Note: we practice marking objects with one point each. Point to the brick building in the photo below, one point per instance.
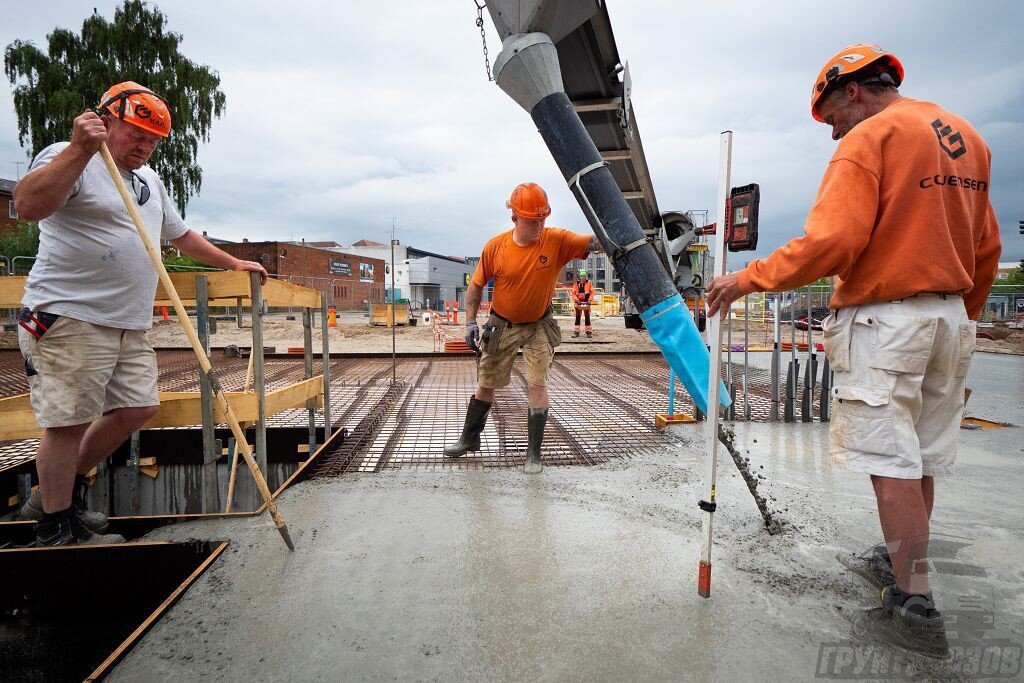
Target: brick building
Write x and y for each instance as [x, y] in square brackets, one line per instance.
[8, 216]
[350, 281]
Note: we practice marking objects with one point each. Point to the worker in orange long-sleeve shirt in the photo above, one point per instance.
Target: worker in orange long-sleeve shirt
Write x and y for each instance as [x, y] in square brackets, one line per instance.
[582, 298]
[903, 218]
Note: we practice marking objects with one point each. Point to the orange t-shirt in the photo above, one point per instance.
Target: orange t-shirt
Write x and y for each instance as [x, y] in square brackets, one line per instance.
[525, 277]
[903, 208]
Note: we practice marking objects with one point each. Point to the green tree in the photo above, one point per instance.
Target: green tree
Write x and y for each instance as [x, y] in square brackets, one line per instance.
[54, 87]
[1016, 277]
[175, 263]
[22, 240]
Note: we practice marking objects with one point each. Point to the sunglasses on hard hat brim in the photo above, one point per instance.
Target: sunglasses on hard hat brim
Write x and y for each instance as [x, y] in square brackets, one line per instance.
[832, 77]
[124, 95]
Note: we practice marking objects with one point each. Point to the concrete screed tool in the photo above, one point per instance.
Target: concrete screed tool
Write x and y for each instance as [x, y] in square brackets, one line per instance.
[193, 338]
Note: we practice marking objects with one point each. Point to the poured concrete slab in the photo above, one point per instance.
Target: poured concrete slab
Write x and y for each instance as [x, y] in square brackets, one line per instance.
[582, 573]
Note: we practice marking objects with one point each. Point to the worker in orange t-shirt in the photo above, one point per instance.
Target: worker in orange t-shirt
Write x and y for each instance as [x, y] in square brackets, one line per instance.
[582, 297]
[903, 218]
[524, 263]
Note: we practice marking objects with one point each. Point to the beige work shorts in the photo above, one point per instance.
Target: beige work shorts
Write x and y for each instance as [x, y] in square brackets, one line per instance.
[78, 371]
[898, 393]
[536, 341]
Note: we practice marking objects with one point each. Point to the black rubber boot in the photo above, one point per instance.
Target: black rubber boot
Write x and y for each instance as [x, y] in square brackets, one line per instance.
[476, 418]
[538, 418]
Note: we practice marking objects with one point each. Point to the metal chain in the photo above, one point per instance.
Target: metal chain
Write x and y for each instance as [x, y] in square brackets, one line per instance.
[483, 36]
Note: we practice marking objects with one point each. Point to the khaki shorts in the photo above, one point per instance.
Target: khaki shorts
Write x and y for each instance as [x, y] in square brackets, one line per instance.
[898, 393]
[538, 351]
[79, 371]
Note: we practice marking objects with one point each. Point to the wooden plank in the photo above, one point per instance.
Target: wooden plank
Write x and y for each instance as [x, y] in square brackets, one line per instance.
[12, 289]
[226, 288]
[177, 408]
[278, 293]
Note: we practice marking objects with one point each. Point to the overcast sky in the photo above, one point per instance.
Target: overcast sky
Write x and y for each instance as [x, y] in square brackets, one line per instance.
[341, 117]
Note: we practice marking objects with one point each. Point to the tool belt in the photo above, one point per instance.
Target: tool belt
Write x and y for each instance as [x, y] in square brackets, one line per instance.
[37, 323]
[490, 336]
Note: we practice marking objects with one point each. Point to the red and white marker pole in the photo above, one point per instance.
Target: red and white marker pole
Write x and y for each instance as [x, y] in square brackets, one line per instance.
[714, 326]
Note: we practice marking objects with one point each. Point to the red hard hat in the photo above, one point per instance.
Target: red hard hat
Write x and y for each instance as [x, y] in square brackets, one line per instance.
[848, 61]
[138, 106]
[529, 201]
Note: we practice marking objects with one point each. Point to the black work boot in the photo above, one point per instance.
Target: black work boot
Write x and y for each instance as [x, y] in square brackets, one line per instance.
[538, 418]
[476, 418]
[909, 621]
[96, 522]
[66, 528]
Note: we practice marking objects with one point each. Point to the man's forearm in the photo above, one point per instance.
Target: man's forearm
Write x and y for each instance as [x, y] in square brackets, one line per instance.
[45, 189]
[196, 246]
[473, 295]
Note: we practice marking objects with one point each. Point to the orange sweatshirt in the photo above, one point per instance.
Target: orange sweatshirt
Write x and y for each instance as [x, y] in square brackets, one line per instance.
[525, 277]
[903, 208]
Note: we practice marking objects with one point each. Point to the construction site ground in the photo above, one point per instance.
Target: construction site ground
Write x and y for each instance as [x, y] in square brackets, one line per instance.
[584, 572]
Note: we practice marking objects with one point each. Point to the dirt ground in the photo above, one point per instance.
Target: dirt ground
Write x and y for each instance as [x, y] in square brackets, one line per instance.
[354, 334]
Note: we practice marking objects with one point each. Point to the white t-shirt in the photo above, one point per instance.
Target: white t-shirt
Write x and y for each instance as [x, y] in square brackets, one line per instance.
[92, 264]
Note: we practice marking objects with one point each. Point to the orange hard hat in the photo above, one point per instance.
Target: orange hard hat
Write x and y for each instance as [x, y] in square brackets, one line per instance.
[529, 201]
[138, 106]
[852, 60]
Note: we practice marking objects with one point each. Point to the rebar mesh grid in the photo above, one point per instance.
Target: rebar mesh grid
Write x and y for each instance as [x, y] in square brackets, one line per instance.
[602, 406]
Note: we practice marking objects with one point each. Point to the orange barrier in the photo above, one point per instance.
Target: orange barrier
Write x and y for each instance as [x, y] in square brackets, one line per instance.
[456, 346]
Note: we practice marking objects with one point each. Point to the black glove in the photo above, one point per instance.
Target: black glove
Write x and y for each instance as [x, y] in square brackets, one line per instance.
[472, 335]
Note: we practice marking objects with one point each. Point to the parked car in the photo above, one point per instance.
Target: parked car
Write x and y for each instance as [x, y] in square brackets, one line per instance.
[817, 315]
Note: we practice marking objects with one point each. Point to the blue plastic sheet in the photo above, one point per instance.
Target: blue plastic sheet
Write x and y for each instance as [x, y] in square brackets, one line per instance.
[671, 327]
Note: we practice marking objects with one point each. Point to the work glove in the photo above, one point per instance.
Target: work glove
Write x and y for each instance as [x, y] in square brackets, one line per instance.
[472, 335]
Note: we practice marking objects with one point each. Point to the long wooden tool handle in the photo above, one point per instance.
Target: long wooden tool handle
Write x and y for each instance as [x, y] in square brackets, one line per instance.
[193, 338]
[233, 475]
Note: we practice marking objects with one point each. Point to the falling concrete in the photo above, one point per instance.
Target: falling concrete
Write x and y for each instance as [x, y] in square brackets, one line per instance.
[582, 573]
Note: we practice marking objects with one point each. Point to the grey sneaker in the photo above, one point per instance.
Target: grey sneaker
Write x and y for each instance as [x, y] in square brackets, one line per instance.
[96, 522]
[875, 568]
[68, 529]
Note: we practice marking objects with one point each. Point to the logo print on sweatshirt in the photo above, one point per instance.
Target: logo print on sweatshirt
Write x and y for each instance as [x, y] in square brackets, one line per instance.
[952, 143]
[543, 259]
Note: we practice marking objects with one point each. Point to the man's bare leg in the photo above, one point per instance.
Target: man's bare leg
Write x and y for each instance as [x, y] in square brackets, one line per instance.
[56, 462]
[903, 512]
[109, 432]
[537, 396]
[928, 490]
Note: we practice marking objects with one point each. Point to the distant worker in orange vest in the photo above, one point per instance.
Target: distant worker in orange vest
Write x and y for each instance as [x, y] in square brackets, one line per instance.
[903, 217]
[582, 297]
[524, 263]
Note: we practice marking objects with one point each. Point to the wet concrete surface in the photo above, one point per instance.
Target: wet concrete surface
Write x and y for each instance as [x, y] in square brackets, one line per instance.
[583, 573]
